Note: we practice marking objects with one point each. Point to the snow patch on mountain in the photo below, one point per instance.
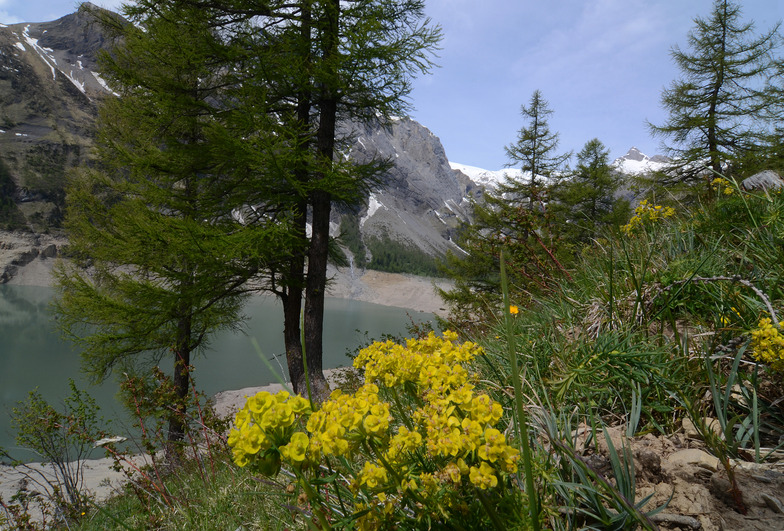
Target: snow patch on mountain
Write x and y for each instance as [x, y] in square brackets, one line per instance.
[636, 162]
[373, 205]
[489, 178]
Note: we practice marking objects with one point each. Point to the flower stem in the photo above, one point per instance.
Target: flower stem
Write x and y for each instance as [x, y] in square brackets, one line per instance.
[522, 418]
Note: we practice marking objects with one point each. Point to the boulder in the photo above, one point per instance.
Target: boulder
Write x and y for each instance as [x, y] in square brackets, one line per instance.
[764, 180]
[50, 251]
[25, 258]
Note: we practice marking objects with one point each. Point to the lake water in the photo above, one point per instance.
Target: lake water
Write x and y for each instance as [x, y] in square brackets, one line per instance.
[32, 354]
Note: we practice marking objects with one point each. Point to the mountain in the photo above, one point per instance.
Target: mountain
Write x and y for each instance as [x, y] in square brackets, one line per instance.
[421, 199]
[49, 91]
[49, 96]
[637, 163]
[489, 178]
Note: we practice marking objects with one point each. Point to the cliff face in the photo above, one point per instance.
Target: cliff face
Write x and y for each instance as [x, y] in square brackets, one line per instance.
[49, 92]
[421, 198]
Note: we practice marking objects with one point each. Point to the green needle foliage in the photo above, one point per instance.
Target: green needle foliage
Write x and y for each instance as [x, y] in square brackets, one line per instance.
[585, 197]
[160, 262]
[513, 217]
[719, 108]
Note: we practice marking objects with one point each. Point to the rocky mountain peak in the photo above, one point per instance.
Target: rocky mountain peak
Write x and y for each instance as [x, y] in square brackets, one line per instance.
[635, 154]
[49, 90]
[635, 162]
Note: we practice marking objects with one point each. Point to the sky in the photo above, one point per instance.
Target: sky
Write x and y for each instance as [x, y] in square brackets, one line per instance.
[601, 65]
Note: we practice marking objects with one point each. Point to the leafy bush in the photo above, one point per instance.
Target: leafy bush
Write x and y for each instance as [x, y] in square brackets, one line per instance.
[64, 439]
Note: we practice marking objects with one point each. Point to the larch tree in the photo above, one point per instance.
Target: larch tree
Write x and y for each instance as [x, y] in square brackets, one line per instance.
[160, 260]
[323, 64]
[514, 217]
[288, 74]
[534, 151]
[584, 199]
[717, 109]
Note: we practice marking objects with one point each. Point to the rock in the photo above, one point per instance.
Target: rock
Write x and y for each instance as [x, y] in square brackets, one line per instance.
[50, 251]
[774, 504]
[649, 462]
[8, 273]
[691, 431]
[764, 180]
[26, 257]
[694, 457]
[722, 489]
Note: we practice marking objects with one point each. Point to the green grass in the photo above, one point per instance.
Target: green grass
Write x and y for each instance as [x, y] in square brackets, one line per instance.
[216, 495]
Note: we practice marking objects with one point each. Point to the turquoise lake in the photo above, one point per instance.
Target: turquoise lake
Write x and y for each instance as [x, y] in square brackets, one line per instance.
[33, 355]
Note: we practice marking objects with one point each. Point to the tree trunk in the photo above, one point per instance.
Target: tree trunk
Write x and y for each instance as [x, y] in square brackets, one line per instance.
[295, 278]
[292, 308]
[713, 146]
[181, 380]
[321, 202]
[315, 296]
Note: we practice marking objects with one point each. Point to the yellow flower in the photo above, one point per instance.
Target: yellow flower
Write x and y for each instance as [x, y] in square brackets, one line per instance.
[453, 473]
[514, 310]
[373, 475]
[296, 449]
[768, 344]
[646, 213]
[483, 477]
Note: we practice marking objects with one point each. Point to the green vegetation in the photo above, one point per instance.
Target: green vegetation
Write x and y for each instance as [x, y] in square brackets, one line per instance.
[158, 264]
[63, 440]
[651, 320]
[351, 237]
[514, 217]
[10, 216]
[217, 154]
[585, 199]
[568, 343]
[398, 257]
[723, 110]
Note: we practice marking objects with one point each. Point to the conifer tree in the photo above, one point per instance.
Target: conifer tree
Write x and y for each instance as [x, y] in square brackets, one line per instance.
[336, 62]
[717, 108]
[585, 200]
[160, 259]
[534, 151]
[513, 217]
[287, 74]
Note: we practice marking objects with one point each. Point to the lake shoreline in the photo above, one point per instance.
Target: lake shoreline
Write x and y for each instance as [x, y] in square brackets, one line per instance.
[28, 260]
[100, 478]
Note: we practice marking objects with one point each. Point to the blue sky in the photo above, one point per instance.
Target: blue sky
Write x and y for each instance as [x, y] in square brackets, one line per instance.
[600, 63]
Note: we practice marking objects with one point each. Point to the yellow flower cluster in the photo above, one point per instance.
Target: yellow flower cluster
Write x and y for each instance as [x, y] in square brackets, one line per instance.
[425, 362]
[768, 344]
[723, 185]
[266, 421]
[345, 420]
[432, 435]
[646, 213]
[452, 423]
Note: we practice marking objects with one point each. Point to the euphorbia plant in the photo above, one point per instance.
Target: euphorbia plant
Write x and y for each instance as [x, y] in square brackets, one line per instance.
[416, 445]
